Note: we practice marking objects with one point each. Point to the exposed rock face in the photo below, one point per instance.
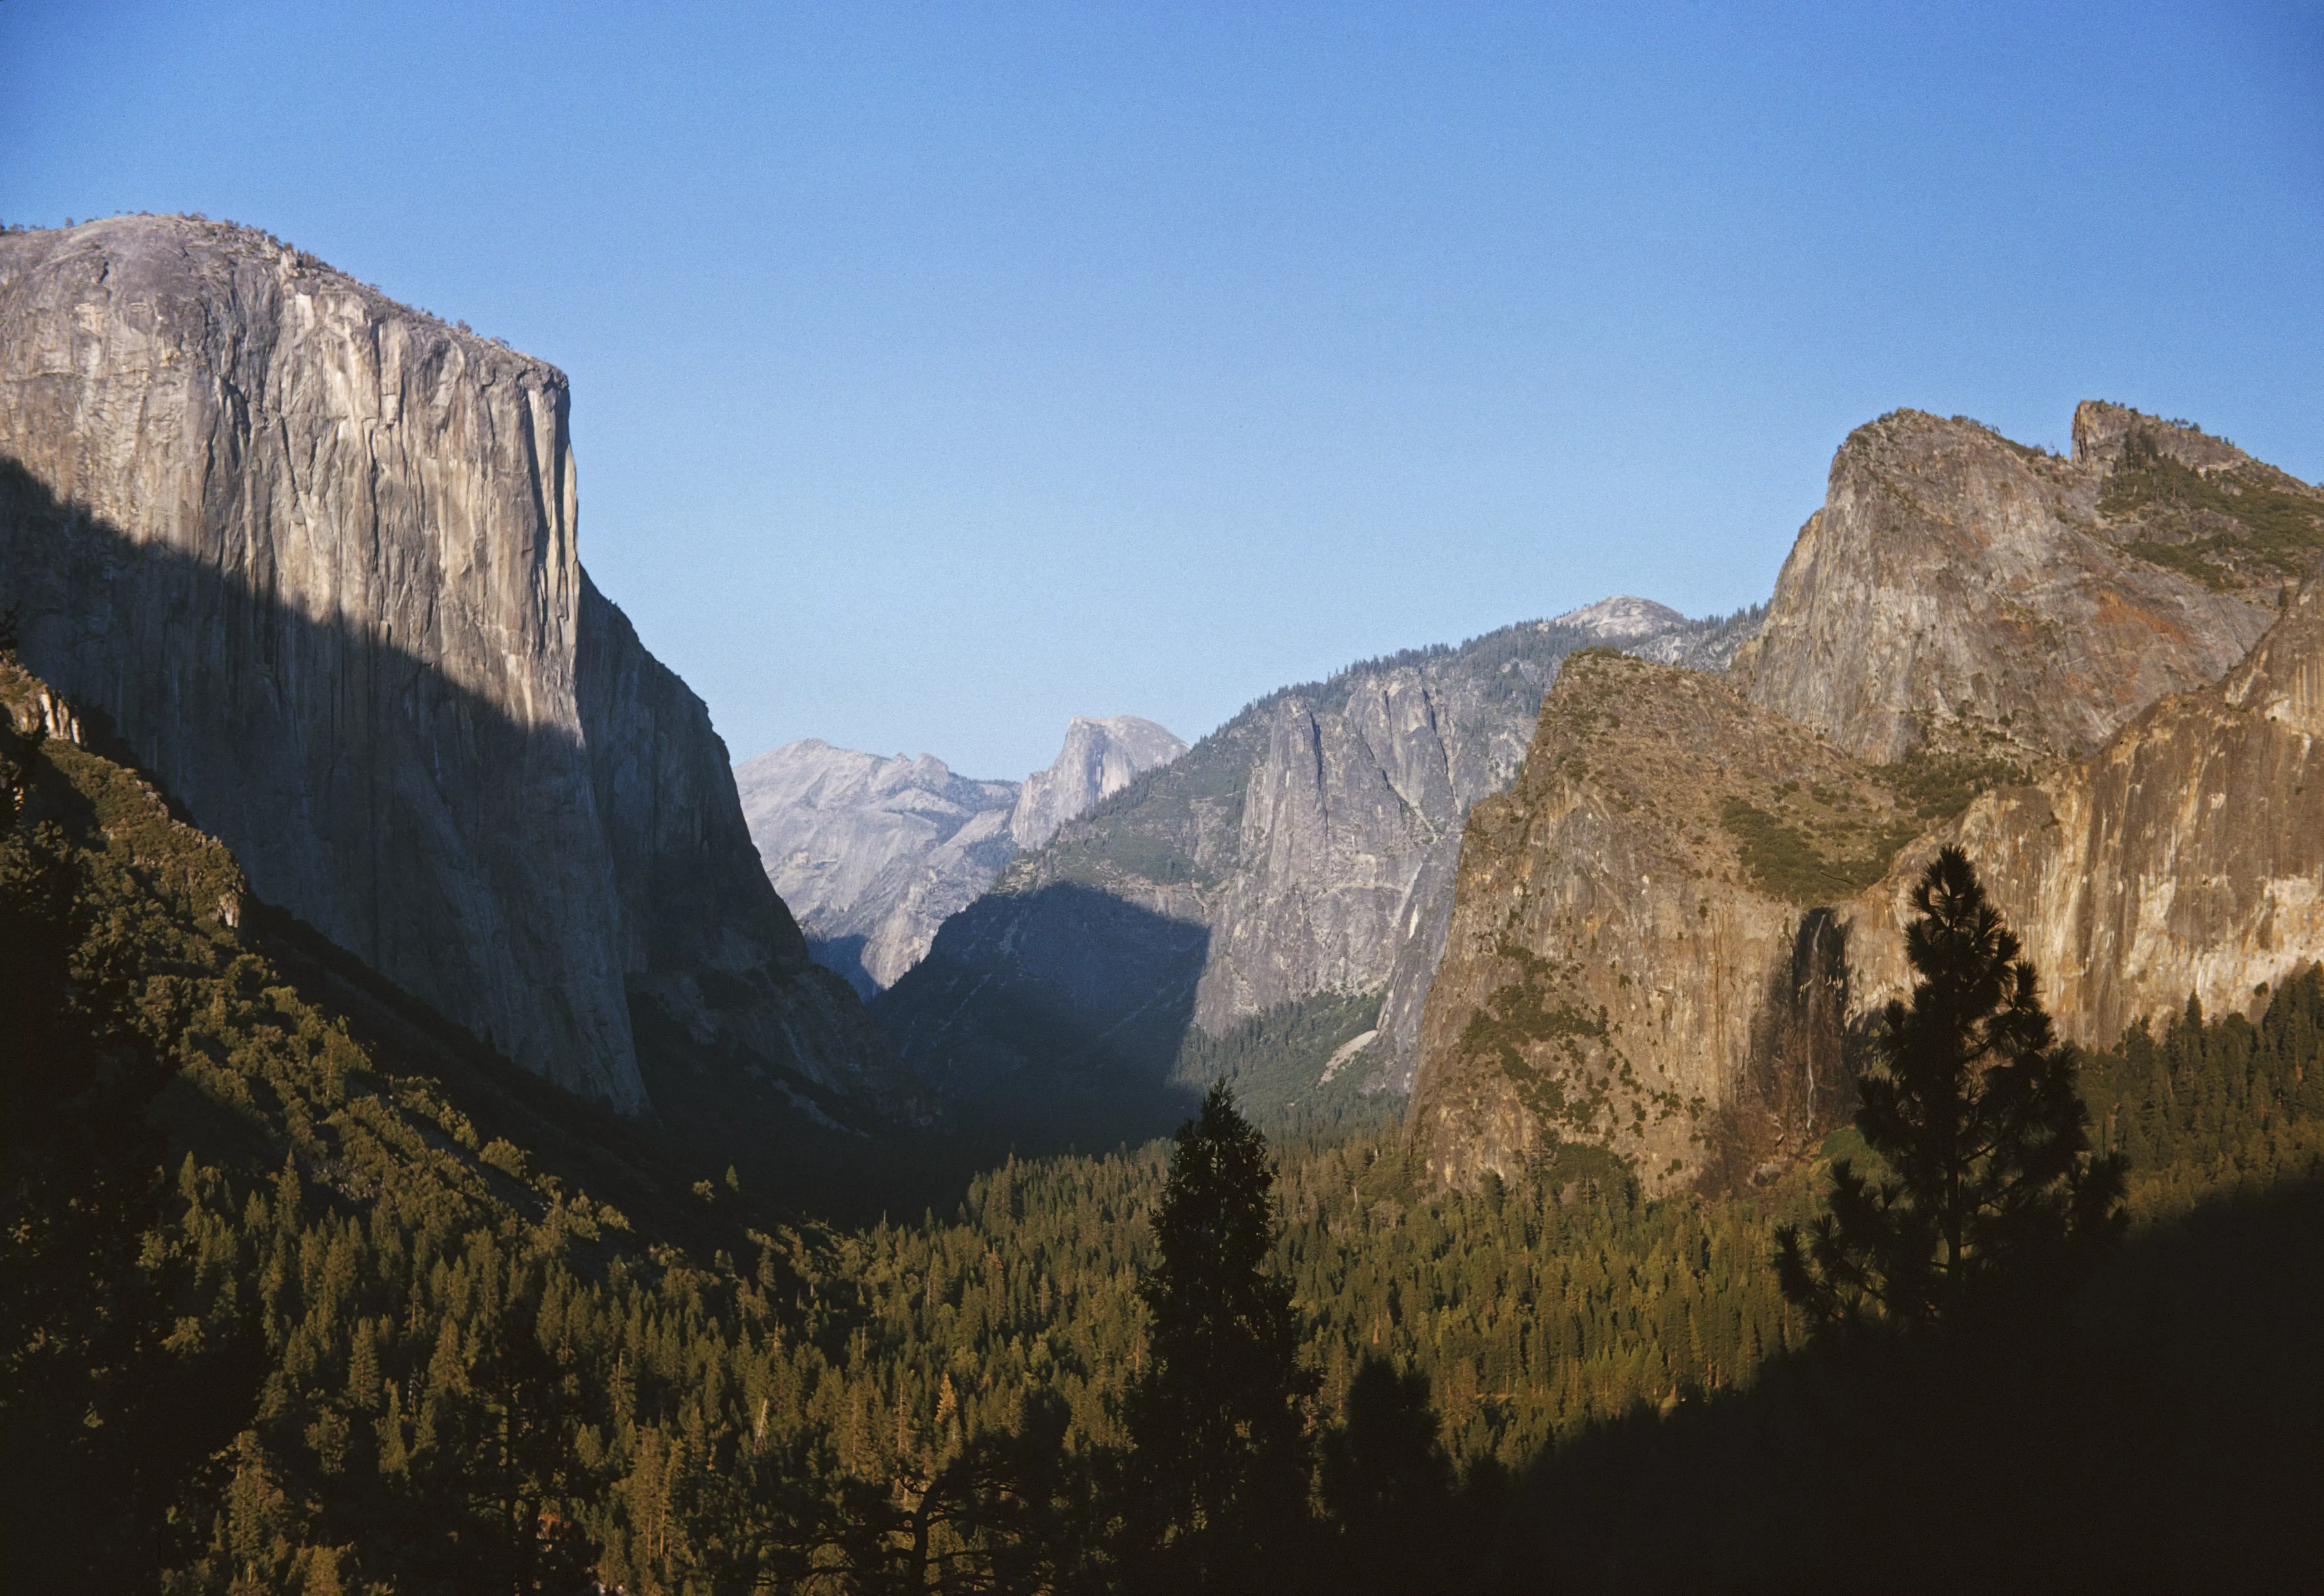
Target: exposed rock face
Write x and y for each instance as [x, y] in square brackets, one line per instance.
[1961, 593]
[1635, 961]
[312, 557]
[1100, 757]
[1679, 922]
[2186, 857]
[1311, 842]
[873, 854]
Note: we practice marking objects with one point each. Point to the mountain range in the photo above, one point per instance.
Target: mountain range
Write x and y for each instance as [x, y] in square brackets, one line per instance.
[1612, 884]
[1300, 858]
[872, 854]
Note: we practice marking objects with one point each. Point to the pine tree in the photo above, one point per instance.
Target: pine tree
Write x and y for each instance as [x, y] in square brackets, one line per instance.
[1987, 1175]
[1222, 1452]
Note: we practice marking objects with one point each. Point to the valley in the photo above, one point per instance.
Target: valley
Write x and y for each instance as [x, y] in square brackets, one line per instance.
[463, 1131]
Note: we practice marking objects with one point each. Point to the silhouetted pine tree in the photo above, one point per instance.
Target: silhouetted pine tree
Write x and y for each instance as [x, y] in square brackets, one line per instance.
[1976, 1119]
[1221, 1455]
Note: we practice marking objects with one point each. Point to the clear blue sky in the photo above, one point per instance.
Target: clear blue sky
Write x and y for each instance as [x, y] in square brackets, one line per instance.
[942, 372]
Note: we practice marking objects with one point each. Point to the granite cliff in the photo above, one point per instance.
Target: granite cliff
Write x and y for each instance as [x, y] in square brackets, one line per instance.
[309, 557]
[1636, 945]
[1302, 853]
[874, 855]
[2185, 858]
[1671, 934]
[1100, 757]
[1962, 593]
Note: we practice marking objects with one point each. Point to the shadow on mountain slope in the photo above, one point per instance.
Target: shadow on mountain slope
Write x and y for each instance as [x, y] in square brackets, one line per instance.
[1052, 1019]
[538, 883]
[2161, 1429]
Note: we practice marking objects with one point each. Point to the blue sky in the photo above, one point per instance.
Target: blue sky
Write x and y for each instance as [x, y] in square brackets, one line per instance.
[941, 372]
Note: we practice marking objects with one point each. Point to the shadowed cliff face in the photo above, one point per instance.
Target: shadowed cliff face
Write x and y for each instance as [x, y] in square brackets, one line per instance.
[1636, 960]
[1964, 593]
[311, 556]
[1056, 1011]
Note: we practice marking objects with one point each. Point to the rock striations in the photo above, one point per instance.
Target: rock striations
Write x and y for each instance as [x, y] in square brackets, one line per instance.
[1303, 852]
[2184, 858]
[1669, 937]
[311, 557]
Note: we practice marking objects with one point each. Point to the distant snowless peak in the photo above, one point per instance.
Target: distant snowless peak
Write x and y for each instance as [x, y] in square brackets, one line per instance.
[1620, 618]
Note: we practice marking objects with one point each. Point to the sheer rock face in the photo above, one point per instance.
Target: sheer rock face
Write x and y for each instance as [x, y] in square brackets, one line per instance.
[873, 854]
[1616, 973]
[312, 555]
[1967, 594]
[2185, 858]
[1100, 757]
[1312, 842]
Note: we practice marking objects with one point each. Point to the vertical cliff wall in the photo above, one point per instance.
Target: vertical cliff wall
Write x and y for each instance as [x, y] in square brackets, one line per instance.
[2184, 858]
[311, 557]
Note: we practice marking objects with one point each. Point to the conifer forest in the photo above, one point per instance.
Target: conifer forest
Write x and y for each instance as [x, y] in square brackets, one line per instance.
[293, 1300]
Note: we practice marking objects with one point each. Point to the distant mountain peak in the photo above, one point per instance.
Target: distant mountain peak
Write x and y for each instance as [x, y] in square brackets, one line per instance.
[1102, 755]
[1622, 618]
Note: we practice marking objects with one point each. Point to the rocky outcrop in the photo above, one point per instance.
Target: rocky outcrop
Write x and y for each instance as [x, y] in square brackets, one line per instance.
[1672, 934]
[1311, 842]
[311, 557]
[1636, 961]
[2184, 858]
[873, 854]
[1100, 757]
[1962, 593]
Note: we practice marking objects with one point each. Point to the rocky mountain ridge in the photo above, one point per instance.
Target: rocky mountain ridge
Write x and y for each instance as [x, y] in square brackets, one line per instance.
[310, 558]
[1670, 937]
[1964, 594]
[874, 855]
[1101, 756]
[1303, 852]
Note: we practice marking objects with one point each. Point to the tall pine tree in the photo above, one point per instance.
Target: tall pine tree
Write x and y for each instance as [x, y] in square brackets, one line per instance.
[1222, 1452]
[1987, 1175]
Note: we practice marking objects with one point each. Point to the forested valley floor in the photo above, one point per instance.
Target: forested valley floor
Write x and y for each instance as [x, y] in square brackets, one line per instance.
[290, 1301]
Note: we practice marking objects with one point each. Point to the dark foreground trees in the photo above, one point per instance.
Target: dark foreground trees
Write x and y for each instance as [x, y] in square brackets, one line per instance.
[1222, 1460]
[1987, 1175]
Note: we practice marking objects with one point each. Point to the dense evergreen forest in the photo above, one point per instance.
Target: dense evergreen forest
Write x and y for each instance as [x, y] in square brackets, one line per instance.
[294, 1299]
